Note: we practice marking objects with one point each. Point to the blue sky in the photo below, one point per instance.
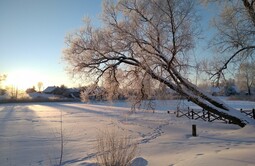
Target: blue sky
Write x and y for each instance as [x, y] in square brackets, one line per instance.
[32, 34]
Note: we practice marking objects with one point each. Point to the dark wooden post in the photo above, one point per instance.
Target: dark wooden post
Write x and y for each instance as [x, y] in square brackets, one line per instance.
[203, 113]
[253, 113]
[194, 130]
[209, 118]
[192, 114]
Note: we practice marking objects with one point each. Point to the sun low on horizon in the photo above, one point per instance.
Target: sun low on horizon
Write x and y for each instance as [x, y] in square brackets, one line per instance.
[24, 79]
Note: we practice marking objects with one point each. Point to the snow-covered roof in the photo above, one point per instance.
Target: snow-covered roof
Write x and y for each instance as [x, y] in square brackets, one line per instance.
[73, 90]
[49, 89]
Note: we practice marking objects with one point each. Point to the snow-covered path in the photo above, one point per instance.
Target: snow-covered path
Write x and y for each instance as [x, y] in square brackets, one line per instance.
[30, 135]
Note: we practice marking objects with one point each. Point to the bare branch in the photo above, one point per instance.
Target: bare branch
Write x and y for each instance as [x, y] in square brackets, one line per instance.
[219, 72]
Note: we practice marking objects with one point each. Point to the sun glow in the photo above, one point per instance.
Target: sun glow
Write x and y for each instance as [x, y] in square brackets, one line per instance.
[23, 79]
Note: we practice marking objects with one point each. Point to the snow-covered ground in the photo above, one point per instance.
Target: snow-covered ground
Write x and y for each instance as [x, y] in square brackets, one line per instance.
[30, 135]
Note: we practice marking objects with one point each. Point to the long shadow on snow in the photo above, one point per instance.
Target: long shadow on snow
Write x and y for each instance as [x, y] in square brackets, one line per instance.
[93, 109]
[89, 109]
[13, 113]
[17, 135]
[89, 156]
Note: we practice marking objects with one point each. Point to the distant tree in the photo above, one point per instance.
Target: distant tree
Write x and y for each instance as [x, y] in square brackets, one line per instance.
[246, 77]
[146, 39]
[111, 85]
[40, 85]
[93, 92]
[62, 90]
[31, 90]
[12, 91]
[63, 87]
[230, 87]
[235, 37]
[2, 78]
[3, 91]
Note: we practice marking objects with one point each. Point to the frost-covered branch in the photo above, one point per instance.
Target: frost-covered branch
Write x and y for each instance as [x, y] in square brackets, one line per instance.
[143, 42]
[219, 72]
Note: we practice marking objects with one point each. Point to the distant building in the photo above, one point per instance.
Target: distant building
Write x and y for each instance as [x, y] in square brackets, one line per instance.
[72, 93]
[65, 92]
[53, 90]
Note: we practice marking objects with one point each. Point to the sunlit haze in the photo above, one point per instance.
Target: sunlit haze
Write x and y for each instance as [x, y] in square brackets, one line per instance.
[23, 79]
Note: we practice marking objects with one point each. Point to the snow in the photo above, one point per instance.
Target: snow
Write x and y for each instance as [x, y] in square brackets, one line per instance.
[30, 134]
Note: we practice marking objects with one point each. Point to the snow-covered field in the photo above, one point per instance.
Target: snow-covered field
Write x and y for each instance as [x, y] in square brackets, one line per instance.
[30, 135]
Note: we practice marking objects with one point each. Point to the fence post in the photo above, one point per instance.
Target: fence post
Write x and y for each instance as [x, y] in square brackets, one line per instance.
[192, 114]
[241, 110]
[253, 113]
[203, 113]
[177, 113]
[194, 130]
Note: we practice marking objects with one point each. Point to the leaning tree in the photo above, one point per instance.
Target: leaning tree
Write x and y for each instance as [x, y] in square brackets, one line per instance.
[145, 39]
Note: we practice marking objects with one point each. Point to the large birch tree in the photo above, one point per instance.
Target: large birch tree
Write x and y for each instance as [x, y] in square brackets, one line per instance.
[144, 39]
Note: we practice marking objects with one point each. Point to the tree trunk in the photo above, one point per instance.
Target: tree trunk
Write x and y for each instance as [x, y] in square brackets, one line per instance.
[233, 119]
[249, 90]
[204, 100]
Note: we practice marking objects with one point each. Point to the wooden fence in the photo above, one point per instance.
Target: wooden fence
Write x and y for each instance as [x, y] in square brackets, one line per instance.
[249, 112]
[196, 113]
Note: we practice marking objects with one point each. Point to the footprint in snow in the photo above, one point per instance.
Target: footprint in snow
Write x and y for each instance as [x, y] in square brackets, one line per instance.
[199, 154]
